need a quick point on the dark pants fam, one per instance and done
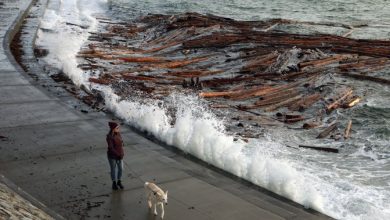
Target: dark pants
(115, 165)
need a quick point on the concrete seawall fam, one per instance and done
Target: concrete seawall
(57, 154)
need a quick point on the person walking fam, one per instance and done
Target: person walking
(115, 154)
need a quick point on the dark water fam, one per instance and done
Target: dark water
(374, 13)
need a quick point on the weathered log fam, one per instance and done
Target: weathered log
(363, 63)
(99, 81)
(351, 102)
(143, 78)
(271, 27)
(323, 62)
(291, 116)
(327, 149)
(242, 108)
(283, 103)
(294, 119)
(347, 130)
(88, 66)
(331, 24)
(349, 33)
(77, 25)
(263, 90)
(309, 125)
(275, 98)
(180, 63)
(305, 102)
(214, 40)
(156, 49)
(369, 78)
(336, 103)
(165, 38)
(257, 91)
(215, 94)
(194, 73)
(262, 61)
(143, 59)
(110, 22)
(226, 81)
(327, 131)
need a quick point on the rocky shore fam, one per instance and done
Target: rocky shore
(13, 206)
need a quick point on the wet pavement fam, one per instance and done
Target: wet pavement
(57, 154)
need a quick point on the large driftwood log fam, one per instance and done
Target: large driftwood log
(369, 78)
(327, 131)
(327, 149)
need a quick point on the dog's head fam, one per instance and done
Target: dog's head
(166, 197)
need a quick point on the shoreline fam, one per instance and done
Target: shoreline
(37, 189)
(86, 111)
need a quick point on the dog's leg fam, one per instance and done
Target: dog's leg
(155, 208)
(162, 210)
(149, 201)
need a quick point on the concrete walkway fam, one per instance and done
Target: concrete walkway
(57, 154)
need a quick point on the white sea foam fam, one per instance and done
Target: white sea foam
(63, 30)
(199, 132)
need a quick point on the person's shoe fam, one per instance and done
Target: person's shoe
(120, 184)
(114, 185)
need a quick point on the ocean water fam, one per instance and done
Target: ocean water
(374, 13)
(354, 184)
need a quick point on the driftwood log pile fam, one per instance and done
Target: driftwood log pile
(258, 74)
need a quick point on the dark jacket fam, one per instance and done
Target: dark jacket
(115, 146)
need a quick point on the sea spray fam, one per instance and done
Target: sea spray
(200, 133)
(63, 30)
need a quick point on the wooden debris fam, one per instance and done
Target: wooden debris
(348, 33)
(99, 81)
(322, 62)
(337, 103)
(327, 131)
(305, 102)
(309, 125)
(238, 67)
(351, 102)
(369, 78)
(347, 130)
(180, 63)
(283, 103)
(293, 118)
(326, 149)
(143, 59)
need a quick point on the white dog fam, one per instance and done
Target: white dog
(156, 196)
